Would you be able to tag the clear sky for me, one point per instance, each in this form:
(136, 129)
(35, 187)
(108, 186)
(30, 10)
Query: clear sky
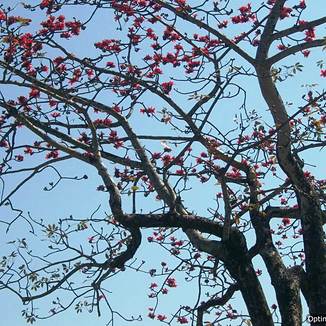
(129, 290)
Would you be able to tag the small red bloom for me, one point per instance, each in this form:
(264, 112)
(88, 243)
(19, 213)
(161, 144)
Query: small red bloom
(52, 154)
(161, 317)
(286, 221)
(182, 320)
(55, 114)
(151, 315)
(323, 73)
(34, 93)
(302, 4)
(28, 150)
(285, 12)
(171, 282)
(180, 172)
(305, 53)
(167, 87)
(2, 15)
(19, 158)
(153, 286)
(281, 47)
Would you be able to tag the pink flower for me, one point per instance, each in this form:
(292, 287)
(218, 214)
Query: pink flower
(323, 73)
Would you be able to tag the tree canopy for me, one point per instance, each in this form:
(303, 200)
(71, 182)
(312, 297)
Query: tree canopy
(199, 127)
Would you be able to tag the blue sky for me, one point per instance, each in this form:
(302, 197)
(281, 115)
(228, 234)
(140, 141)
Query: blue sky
(81, 199)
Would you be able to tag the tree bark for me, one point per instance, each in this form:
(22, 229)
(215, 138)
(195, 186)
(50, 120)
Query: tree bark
(309, 205)
(242, 270)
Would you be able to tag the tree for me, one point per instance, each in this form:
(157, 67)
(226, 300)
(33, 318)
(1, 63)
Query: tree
(149, 107)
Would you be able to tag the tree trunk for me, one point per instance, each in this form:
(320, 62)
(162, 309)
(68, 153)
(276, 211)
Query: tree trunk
(311, 214)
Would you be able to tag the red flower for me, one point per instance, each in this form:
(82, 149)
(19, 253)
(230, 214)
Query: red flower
(302, 4)
(259, 272)
(245, 9)
(161, 317)
(4, 144)
(323, 73)
(156, 156)
(305, 53)
(52, 154)
(286, 221)
(166, 87)
(310, 34)
(167, 159)
(283, 201)
(19, 158)
(281, 47)
(2, 15)
(151, 315)
(28, 150)
(45, 3)
(171, 282)
(34, 93)
(153, 286)
(236, 19)
(55, 114)
(285, 12)
(223, 24)
(22, 100)
(182, 320)
(150, 110)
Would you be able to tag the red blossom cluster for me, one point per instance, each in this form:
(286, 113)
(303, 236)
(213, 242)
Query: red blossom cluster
(53, 154)
(245, 16)
(114, 139)
(59, 24)
(149, 110)
(167, 87)
(102, 122)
